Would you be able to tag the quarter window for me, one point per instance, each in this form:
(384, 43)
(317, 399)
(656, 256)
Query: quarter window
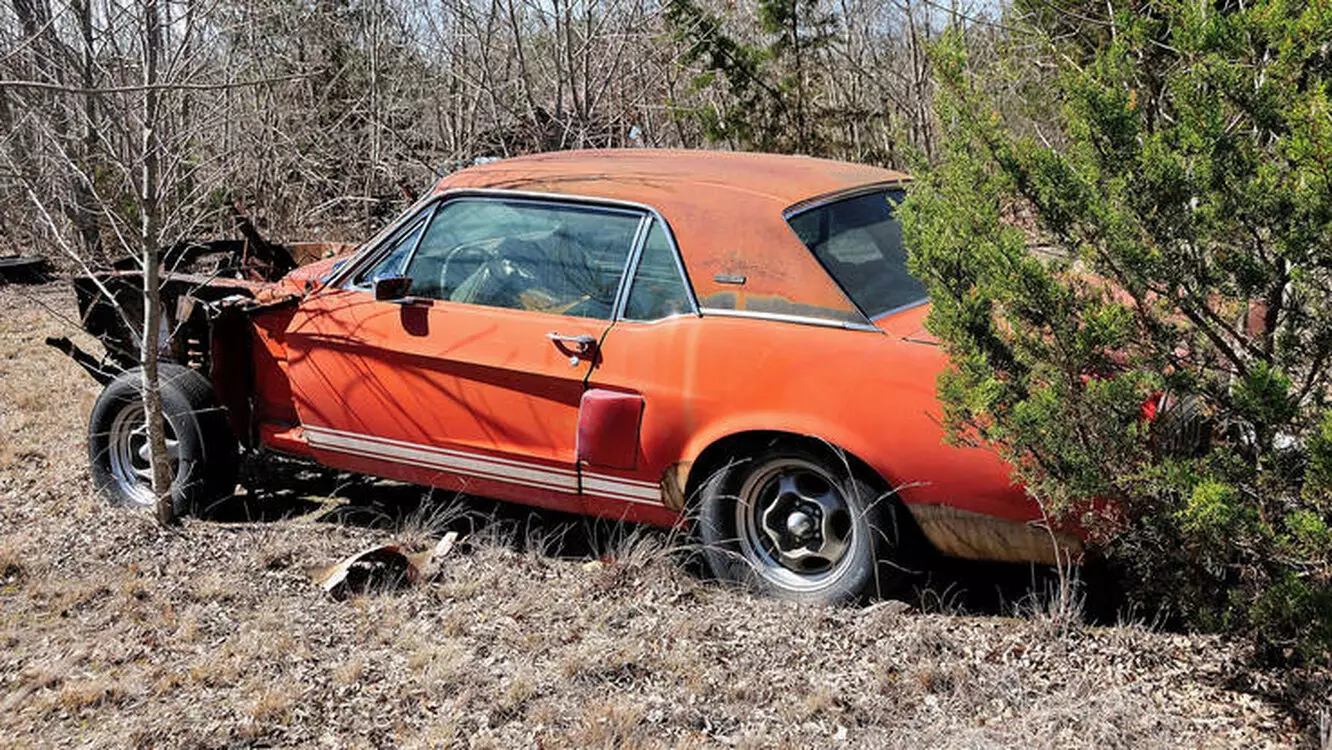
(525, 255)
(658, 291)
(859, 241)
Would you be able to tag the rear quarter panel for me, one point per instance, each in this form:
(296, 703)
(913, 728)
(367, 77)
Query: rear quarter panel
(870, 393)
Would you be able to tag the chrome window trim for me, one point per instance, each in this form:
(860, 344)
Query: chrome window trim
(411, 254)
(679, 265)
(360, 259)
(630, 267)
(425, 215)
(695, 310)
(376, 241)
(901, 308)
(432, 202)
(657, 321)
(849, 325)
(819, 201)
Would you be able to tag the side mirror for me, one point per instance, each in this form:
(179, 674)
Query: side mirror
(390, 288)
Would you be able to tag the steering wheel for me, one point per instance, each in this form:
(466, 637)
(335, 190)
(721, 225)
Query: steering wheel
(479, 247)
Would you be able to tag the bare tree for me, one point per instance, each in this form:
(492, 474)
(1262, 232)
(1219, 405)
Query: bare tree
(150, 206)
(332, 106)
(108, 147)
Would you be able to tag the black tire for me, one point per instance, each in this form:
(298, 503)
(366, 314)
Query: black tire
(745, 552)
(207, 453)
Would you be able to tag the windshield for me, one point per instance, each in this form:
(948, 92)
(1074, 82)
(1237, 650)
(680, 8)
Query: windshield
(860, 243)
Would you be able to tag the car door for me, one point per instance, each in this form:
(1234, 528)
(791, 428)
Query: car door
(472, 381)
(642, 397)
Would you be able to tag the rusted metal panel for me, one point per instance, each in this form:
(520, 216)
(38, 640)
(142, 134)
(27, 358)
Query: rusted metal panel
(271, 382)
(382, 568)
(666, 177)
(309, 252)
(230, 369)
(102, 372)
(23, 269)
(673, 482)
(978, 536)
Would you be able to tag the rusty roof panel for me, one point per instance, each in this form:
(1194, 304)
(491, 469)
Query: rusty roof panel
(724, 208)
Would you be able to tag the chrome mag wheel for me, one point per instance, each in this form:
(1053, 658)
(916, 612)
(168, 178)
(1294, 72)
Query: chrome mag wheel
(129, 454)
(201, 447)
(796, 524)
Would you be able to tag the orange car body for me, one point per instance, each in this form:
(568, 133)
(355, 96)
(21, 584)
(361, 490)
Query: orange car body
(505, 403)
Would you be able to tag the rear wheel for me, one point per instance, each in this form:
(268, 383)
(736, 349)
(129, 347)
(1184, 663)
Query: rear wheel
(200, 443)
(798, 524)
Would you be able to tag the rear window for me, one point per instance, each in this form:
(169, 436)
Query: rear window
(859, 241)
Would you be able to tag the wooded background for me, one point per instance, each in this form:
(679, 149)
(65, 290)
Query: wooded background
(1177, 148)
(134, 122)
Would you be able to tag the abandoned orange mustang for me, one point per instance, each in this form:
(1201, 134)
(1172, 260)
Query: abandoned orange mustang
(727, 339)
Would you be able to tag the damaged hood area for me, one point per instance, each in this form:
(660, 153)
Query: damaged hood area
(314, 273)
(200, 280)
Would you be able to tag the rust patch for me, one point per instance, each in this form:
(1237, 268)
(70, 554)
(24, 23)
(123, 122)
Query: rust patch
(305, 253)
(976, 536)
(673, 483)
(777, 305)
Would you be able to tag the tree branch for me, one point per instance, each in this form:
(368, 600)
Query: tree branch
(83, 91)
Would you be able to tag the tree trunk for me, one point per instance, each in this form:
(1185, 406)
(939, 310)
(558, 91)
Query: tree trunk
(84, 211)
(150, 239)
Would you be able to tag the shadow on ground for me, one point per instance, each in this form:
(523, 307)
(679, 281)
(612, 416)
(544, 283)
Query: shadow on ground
(276, 488)
(286, 489)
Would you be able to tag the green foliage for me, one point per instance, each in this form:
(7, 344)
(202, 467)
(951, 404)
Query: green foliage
(770, 82)
(1186, 219)
(1318, 482)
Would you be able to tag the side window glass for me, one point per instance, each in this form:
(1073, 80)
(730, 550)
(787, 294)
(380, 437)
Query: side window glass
(524, 255)
(658, 291)
(859, 241)
(392, 263)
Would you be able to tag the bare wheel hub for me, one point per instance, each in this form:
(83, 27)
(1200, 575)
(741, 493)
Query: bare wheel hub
(800, 525)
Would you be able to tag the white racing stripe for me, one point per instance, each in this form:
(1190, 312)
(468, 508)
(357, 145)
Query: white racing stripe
(452, 461)
(482, 466)
(622, 489)
(389, 442)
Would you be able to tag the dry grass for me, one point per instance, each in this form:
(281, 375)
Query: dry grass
(88, 693)
(114, 633)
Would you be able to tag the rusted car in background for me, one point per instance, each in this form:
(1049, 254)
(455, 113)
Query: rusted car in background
(726, 340)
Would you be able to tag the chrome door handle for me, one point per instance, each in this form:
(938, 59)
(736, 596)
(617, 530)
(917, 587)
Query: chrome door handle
(574, 347)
